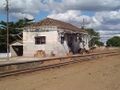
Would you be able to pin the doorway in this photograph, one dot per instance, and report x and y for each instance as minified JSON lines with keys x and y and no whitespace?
{"x":18,"y":50}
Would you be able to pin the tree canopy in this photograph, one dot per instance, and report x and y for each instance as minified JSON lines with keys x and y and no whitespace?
{"x":95,"y":38}
{"x":15,"y":32}
{"x":114,"y":41}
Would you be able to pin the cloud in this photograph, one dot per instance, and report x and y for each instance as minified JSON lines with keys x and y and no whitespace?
{"x":110,"y":18}
{"x":72,"y":16}
{"x":106,"y":15}
{"x":89,"y":5}
{"x":33,"y":7}
{"x":101,"y":20}
{"x":22,"y":15}
{"x":20,"y":8}
{"x":106,"y":23}
{"x":106,"y":34}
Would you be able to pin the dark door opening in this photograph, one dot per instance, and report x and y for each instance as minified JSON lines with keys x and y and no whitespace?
{"x":73,"y":43}
{"x":18,"y":50}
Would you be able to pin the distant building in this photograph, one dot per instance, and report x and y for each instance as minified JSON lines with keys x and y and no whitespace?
{"x":51,"y":36}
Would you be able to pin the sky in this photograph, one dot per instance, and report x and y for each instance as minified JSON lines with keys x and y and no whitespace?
{"x":101,"y":15}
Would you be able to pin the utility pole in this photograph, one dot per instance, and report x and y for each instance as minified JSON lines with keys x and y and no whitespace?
{"x":83,"y":27}
{"x":7,"y":17}
{"x":83,"y":24}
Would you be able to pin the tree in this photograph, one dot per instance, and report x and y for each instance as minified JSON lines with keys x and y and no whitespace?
{"x":99,"y":43}
{"x":114,"y":41}
{"x":15,"y":32}
{"x":95,"y":38}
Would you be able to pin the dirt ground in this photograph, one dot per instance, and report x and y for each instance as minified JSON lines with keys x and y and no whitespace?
{"x":101,"y":74}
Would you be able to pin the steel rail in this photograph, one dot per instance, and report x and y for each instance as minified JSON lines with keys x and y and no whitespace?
{"x":63,"y":62}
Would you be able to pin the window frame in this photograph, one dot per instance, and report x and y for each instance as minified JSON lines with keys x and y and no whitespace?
{"x":40,"y":40}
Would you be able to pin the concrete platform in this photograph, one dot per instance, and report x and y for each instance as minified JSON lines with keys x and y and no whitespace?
{"x":15,"y":60}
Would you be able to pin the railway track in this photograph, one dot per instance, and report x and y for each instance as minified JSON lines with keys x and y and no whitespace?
{"x":50,"y":63}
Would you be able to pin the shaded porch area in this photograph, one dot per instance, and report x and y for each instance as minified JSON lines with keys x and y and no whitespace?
{"x":16,"y":49}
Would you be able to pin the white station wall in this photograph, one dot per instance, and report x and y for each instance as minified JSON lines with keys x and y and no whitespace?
{"x":52,"y":44}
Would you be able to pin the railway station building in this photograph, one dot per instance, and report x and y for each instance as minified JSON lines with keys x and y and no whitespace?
{"x":50,"y":37}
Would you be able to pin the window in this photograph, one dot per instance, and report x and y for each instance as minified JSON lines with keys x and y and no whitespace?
{"x":40,"y":40}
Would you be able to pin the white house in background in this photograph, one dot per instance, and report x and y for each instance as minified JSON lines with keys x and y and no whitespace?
{"x":53,"y":37}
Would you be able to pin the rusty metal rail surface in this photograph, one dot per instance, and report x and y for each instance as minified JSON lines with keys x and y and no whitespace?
{"x":31,"y":66}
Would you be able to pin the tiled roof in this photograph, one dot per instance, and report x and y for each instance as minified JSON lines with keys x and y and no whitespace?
{"x":58,"y":24}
